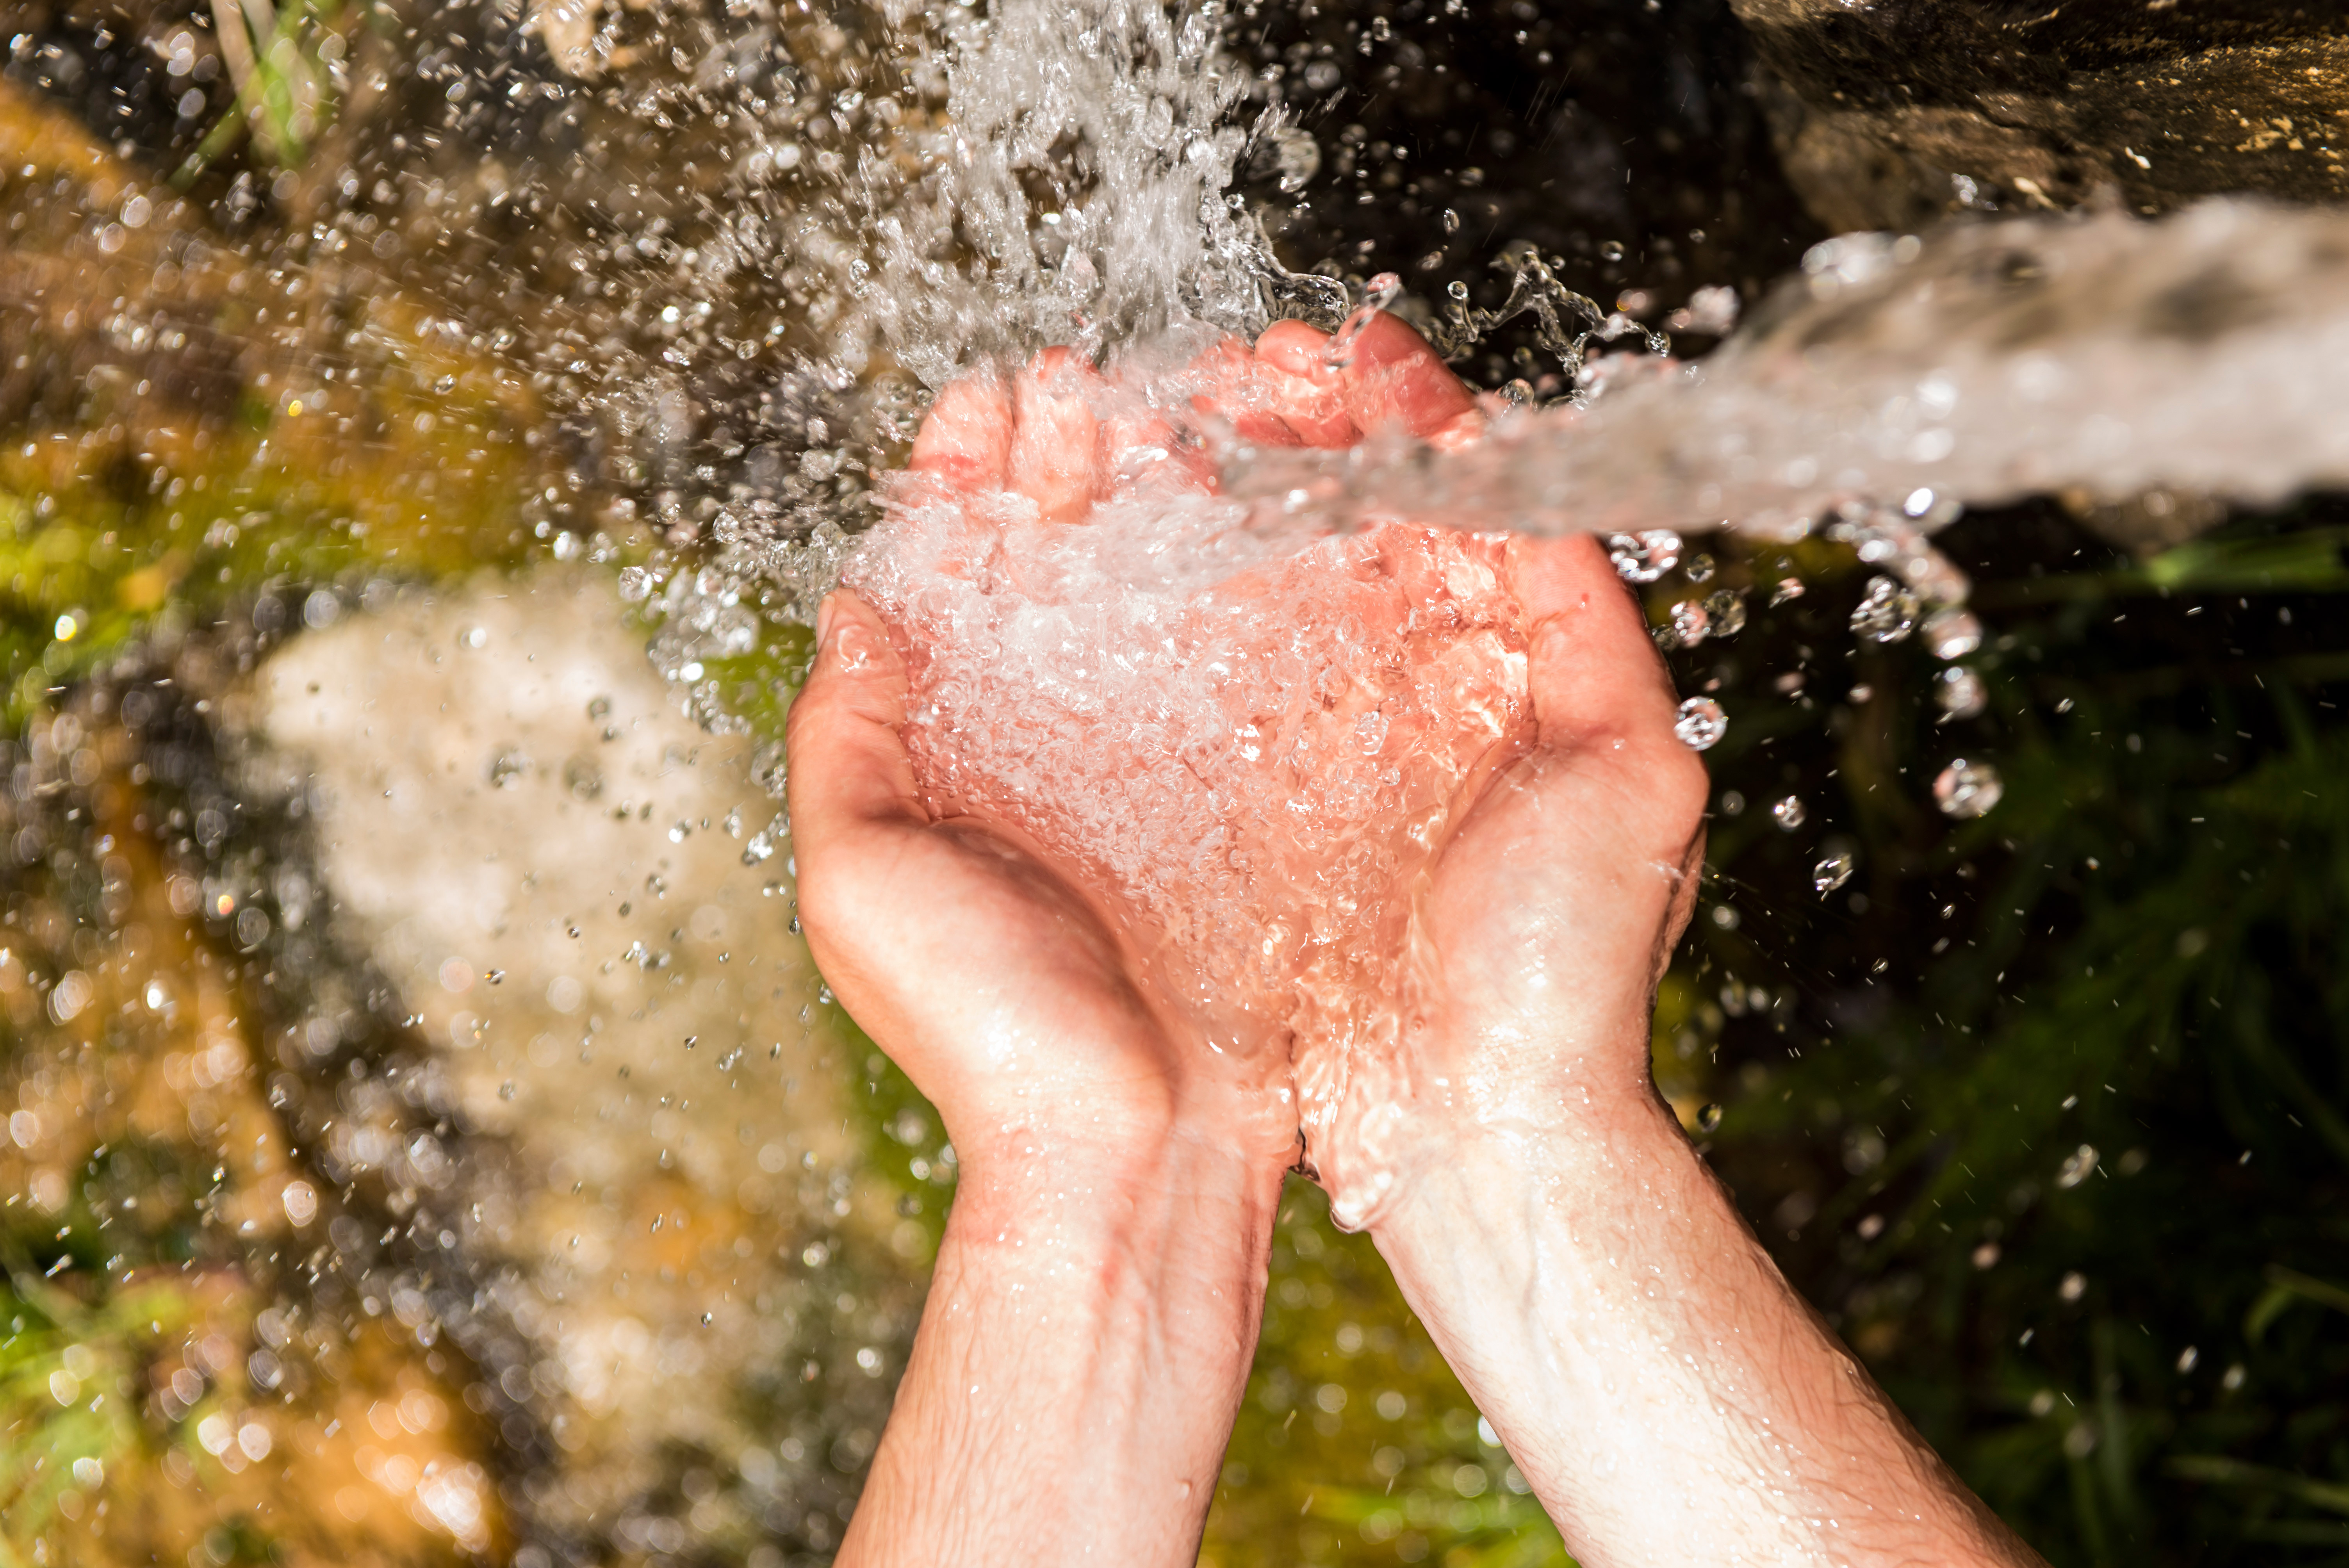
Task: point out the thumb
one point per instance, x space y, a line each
847 766
1591 667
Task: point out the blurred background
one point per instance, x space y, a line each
425 1138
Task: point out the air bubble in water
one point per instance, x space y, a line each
1968 789
1960 692
1644 557
1728 612
635 584
1953 633
1886 613
1702 723
1790 813
1832 872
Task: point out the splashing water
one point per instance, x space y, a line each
1078 195
2199 355
1253 748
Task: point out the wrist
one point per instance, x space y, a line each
1532 1090
1155 1201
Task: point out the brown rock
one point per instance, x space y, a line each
1891 115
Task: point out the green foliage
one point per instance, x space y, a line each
67 1416
1355 1443
2049 1112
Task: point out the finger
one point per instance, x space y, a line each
965 438
1231 388
1300 386
846 757
1055 436
1394 378
1591 666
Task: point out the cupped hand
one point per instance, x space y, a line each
1003 983
996 984
1568 870
1550 909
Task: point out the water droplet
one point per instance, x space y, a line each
1953 633
1452 226
1700 723
1728 612
1788 588
1708 1118
1457 289
1699 568
1790 813
1960 692
1689 624
1296 156
1968 789
635 584
1887 612
1832 872
1644 557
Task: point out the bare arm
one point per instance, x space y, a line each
1097 1295
1085 1349
1670 1397
1668 1394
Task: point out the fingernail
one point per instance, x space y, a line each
824 618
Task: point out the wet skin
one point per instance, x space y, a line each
1098 1290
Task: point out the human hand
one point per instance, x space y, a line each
1044 448
1549 912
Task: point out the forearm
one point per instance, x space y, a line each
1667 1393
1087 1339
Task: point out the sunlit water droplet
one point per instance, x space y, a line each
1968 789
1887 612
1728 612
1789 813
1831 873
1700 723
1960 692
1646 556
1690 623
1953 633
